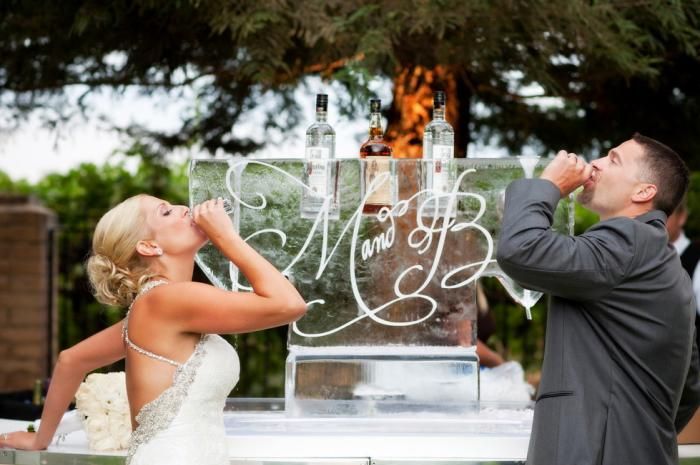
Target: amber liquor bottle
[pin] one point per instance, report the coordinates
(376, 168)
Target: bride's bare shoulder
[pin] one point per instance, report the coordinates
(165, 299)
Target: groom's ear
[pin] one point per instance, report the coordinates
(644, 193)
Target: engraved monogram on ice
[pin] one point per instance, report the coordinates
(430, 226)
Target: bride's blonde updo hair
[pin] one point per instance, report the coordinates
(115, 269)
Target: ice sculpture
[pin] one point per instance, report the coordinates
(391, 321)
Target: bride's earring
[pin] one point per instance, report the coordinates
(159, 252)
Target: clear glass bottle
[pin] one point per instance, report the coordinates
(377, 160)
(438, 148)
(320, 173)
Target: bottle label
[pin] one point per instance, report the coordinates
(441, 176)
(318, 177)
(443, 152)
(317, 170)
(322, 153)
(375, 166)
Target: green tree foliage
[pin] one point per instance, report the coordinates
(617, 66)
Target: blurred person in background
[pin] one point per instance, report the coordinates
(688, 250)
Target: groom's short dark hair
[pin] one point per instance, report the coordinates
(666, 170)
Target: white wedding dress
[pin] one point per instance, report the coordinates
(185, 424)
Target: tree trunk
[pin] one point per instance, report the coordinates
(411, 108)
(462, 113)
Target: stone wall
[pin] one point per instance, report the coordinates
(28, 292)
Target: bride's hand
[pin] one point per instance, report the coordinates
(19, 440)
(212, 219)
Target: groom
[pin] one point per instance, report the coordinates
(620, 372)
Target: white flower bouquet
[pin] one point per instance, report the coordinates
(104, 410)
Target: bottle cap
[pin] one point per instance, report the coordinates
(438, 98)
(322, 102)
(375, 105)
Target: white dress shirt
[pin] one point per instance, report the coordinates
(681, 244)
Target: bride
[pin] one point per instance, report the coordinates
(178, 370)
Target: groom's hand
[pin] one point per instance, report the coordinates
(567, 171)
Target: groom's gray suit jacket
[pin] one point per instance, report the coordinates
(619, 350)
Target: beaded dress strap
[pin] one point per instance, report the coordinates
(125, 329)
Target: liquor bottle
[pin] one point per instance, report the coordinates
(377, 161)
(438, 148)
(320, 172)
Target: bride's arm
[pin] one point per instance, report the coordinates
(201, 308)
(73, 364)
